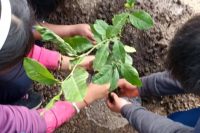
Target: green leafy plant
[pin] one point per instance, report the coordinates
(112, 59)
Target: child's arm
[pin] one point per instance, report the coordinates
(160, 84)
(63, 111)
(51, 59)
(16, 119)
(157, 84)
(20, 119)
(68, 30)
(145, 121)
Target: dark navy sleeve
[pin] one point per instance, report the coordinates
(160, 84)
(145, 121)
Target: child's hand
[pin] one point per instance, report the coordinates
(127, 89)
(84, 30)
(87, 62)
(118, 103)
(96, 92)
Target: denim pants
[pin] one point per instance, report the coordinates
(189, 117)
(14, 84)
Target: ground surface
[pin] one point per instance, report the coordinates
(151, 50)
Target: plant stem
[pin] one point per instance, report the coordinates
(99, 44)
(87, 53)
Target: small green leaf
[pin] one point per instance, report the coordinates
(103, 76)
(128, 59)
(100, 27)
(118, 22)
(53, 100)
(97, 36)
(120, 19)
(79, 44)
(50, 36)
(38, 72)
(129, 49)
(129, 3)
(131, 74)
(114, 80)
(101, 57)
(118, 51)
(141, 20)
(75, 87)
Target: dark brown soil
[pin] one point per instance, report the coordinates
(151, 50)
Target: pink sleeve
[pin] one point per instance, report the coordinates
(61, 112)
(46, 57)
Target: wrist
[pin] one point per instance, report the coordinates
(88, 100)
(72, 30)
(64, 63)
(76, 108)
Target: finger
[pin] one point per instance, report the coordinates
(134, 93)
(90, 36)
(109, 104)
(129, 86)
(129, 93)
(115, 97)
(120, 82)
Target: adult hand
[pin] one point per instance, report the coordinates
(84, 30)
(127, 89)
(96, 92)
(117, 104)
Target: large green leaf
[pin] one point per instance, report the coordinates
(38, 72)
(79, 44)
(141, 20)
(104, 75)
(131, 74)
(119, 51)
(101, 57)
(50, 36)
(100, 27)
(75, 87)
(114, 80)
(118, 22)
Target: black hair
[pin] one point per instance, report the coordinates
(183, 59)
(43, 8)
(20, 38)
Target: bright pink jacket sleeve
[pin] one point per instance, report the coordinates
(61, 112)
(46, 57)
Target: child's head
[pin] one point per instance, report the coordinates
(20, 39)
(43, 8)
(183, 60)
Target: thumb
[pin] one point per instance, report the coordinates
(115, 97)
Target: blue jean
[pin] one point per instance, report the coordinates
(189, 117)
(14, 84)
